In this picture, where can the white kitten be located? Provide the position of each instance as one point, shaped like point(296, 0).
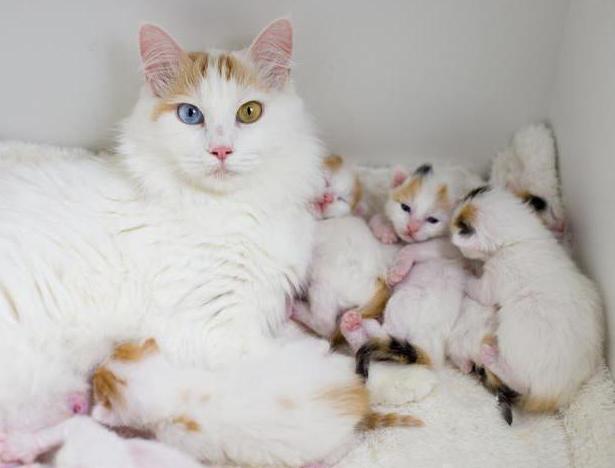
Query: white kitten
point(86, 444)
point(428, 274)
point(528, 168)
point(197, 231)
point(258, 411)
point(549, 333)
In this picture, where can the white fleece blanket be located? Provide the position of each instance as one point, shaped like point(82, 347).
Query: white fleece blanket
point(464, 429)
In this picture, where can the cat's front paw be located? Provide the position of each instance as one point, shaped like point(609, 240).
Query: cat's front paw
point(385, 234)
point(18, 447)
point(398, 272)
point(488, 354)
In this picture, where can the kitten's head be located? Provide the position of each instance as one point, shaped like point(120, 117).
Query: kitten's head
point(420, 204)
point(491, 218)
point(216, 121)
point(528, 169)
point(342, 193)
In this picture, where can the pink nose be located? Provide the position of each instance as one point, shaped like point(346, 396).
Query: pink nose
point(413, 226)
point(221, 152)
point(327, 198)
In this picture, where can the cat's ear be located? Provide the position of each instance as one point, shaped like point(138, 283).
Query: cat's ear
point(400, 174)
point(272, 50)
point(161, 57)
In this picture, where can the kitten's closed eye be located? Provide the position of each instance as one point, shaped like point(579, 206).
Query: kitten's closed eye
point(189, 114)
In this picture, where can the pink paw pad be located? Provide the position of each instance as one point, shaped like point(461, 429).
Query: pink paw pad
point(351, 321)
point(78, 403)
point(488, 354)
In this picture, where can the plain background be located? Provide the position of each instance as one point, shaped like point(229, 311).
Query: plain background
point(387, 81)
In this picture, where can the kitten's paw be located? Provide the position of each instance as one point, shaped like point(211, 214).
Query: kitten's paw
point(488, 354)
point(397, 273)
point(18, 447)
point(78, 403)
point(384, 233)
point(351, 321)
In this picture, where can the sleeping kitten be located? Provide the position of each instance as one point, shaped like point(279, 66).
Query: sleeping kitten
point(260, 411)
point(528, 168)
point(549, 333)
point(343, 192)
point(197, 232)
point(428, 274)
point(86, 444)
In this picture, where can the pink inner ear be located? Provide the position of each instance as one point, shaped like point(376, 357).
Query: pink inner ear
point(400, 174)
point(272, 51)
point(161, 57)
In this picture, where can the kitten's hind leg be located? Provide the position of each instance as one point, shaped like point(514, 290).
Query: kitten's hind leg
point(492, 360)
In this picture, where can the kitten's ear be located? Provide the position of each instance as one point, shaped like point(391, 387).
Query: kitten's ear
point(400, 174)
point(161, 57)
point(272, 50)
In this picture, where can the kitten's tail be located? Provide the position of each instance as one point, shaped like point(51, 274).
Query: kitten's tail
point(374, 420)
point(506, 396)
point(388, 349)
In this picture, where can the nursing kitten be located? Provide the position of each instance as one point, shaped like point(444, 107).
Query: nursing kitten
point(549, 333)
point(86, 444)
point(343, 192)
point(428, 274)
point(196, 232)
point(259, 411)
point(528, 168)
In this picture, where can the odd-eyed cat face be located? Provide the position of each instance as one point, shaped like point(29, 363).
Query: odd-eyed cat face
point(212, 120)
point(489, 219)
point(419, 205)
point(342, 192)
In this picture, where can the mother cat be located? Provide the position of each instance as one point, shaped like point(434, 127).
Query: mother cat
point(196, 232)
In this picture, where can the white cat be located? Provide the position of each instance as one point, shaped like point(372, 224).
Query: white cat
point(86, 444)
point(549, 333)
point(267, 410)
point(428, 274)
point(196, 232)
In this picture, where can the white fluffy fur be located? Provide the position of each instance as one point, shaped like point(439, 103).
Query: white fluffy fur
point(347, 262)
point(529, 166)
point(550, 322)
point(86, 444)
point(155, 239)
point(267, 410)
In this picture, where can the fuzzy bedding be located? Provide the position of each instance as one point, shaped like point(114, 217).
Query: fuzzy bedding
point(463, 427)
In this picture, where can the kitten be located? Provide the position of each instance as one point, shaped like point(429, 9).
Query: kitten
point(528, 168)
point(260, 411)
point(428, 274)
point(196, 232)
point(343, 192)
point(86, 444)
point(549, 333)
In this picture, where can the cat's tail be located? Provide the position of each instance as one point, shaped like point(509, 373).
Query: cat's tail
point(375, 420)
point(506, 396)
point(388, 349)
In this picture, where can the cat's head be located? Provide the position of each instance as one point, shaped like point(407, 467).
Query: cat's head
point(342, 194)
point(420, 204)
point(489, 219)
point(216, 121)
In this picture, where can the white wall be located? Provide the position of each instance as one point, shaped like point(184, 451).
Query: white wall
point(583, 116)
point(385, 79)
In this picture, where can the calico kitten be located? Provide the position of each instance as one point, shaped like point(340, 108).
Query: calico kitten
point(528, 168)
point(427, 274)
point(549, 333)
point(85, 443)
point(260, 411)
point(343, 192)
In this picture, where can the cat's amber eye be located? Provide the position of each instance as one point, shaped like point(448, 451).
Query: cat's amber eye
point(249, 112)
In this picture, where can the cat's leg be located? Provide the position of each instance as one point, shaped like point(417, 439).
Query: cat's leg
point(318, 316)
point(26, 446)
point(374, 329)
point(401, 266)
point(351, 326)
point(479, 289)
point(382, 229)
point(492, 360)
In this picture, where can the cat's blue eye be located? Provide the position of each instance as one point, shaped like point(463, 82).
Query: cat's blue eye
point(189, 114)
point(406, 208)
point(432, 220)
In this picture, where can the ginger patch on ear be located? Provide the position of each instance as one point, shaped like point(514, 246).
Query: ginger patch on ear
point(106, 387)
point(442, 197)
point(465, 220)
point(333, 162)
point(357, 193)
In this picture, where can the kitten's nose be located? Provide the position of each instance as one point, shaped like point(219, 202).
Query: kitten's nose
point(221, 152)
point(413, 226)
